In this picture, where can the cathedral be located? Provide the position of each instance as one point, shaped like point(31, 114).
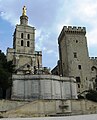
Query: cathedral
point(74, 64)
point(37, 91)
point(31, 80)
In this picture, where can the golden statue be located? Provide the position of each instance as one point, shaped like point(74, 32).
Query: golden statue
point(24, 11)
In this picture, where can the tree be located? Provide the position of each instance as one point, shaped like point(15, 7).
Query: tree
point(92, 95)
point(6, 70)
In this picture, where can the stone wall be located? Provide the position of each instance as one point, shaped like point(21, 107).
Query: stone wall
point(29, 87)
point(6, 105)
point(39, 108)
point(84, 107)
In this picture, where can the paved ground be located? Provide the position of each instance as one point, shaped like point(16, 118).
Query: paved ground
point(79, 117)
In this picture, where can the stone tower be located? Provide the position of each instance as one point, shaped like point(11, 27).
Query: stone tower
point(23, 53)
point(73, 54)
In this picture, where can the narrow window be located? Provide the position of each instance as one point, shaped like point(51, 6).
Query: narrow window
point(76, 41)
point(75, 55)
point(28, 66)
point(77, 79)
point(79, 67)
point(92, 68)
point(28, 36)
point(28, 44)
point(22, 35)
point(21, 42)
point(78, 85)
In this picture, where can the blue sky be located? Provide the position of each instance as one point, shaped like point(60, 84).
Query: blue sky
point(48, 17)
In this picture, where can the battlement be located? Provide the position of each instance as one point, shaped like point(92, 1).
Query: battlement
point(74, 29)
point(38, 52)
point(10, 50)
point(93, 58)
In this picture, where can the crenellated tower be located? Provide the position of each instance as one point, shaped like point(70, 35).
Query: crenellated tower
point(73, 54)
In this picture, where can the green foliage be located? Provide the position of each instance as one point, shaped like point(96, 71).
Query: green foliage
point(80, 97)
point(92, 95)
point(6, 70)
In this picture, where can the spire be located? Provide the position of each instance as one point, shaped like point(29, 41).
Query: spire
point(24, 18)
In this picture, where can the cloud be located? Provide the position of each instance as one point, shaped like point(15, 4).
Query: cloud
point(86, 14)
point(80, 13)
point(49, 17)
point(86, 9)
point(42, 15)
point(92, 37)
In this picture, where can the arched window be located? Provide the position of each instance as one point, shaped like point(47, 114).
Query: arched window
point(22, 35)
point(28, 44)
point(21, 42)
point(28, 36)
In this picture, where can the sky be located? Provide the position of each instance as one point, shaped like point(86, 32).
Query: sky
point(48, 17)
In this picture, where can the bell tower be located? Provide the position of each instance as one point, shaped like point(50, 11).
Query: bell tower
point(23, 53)
point(24, 36)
